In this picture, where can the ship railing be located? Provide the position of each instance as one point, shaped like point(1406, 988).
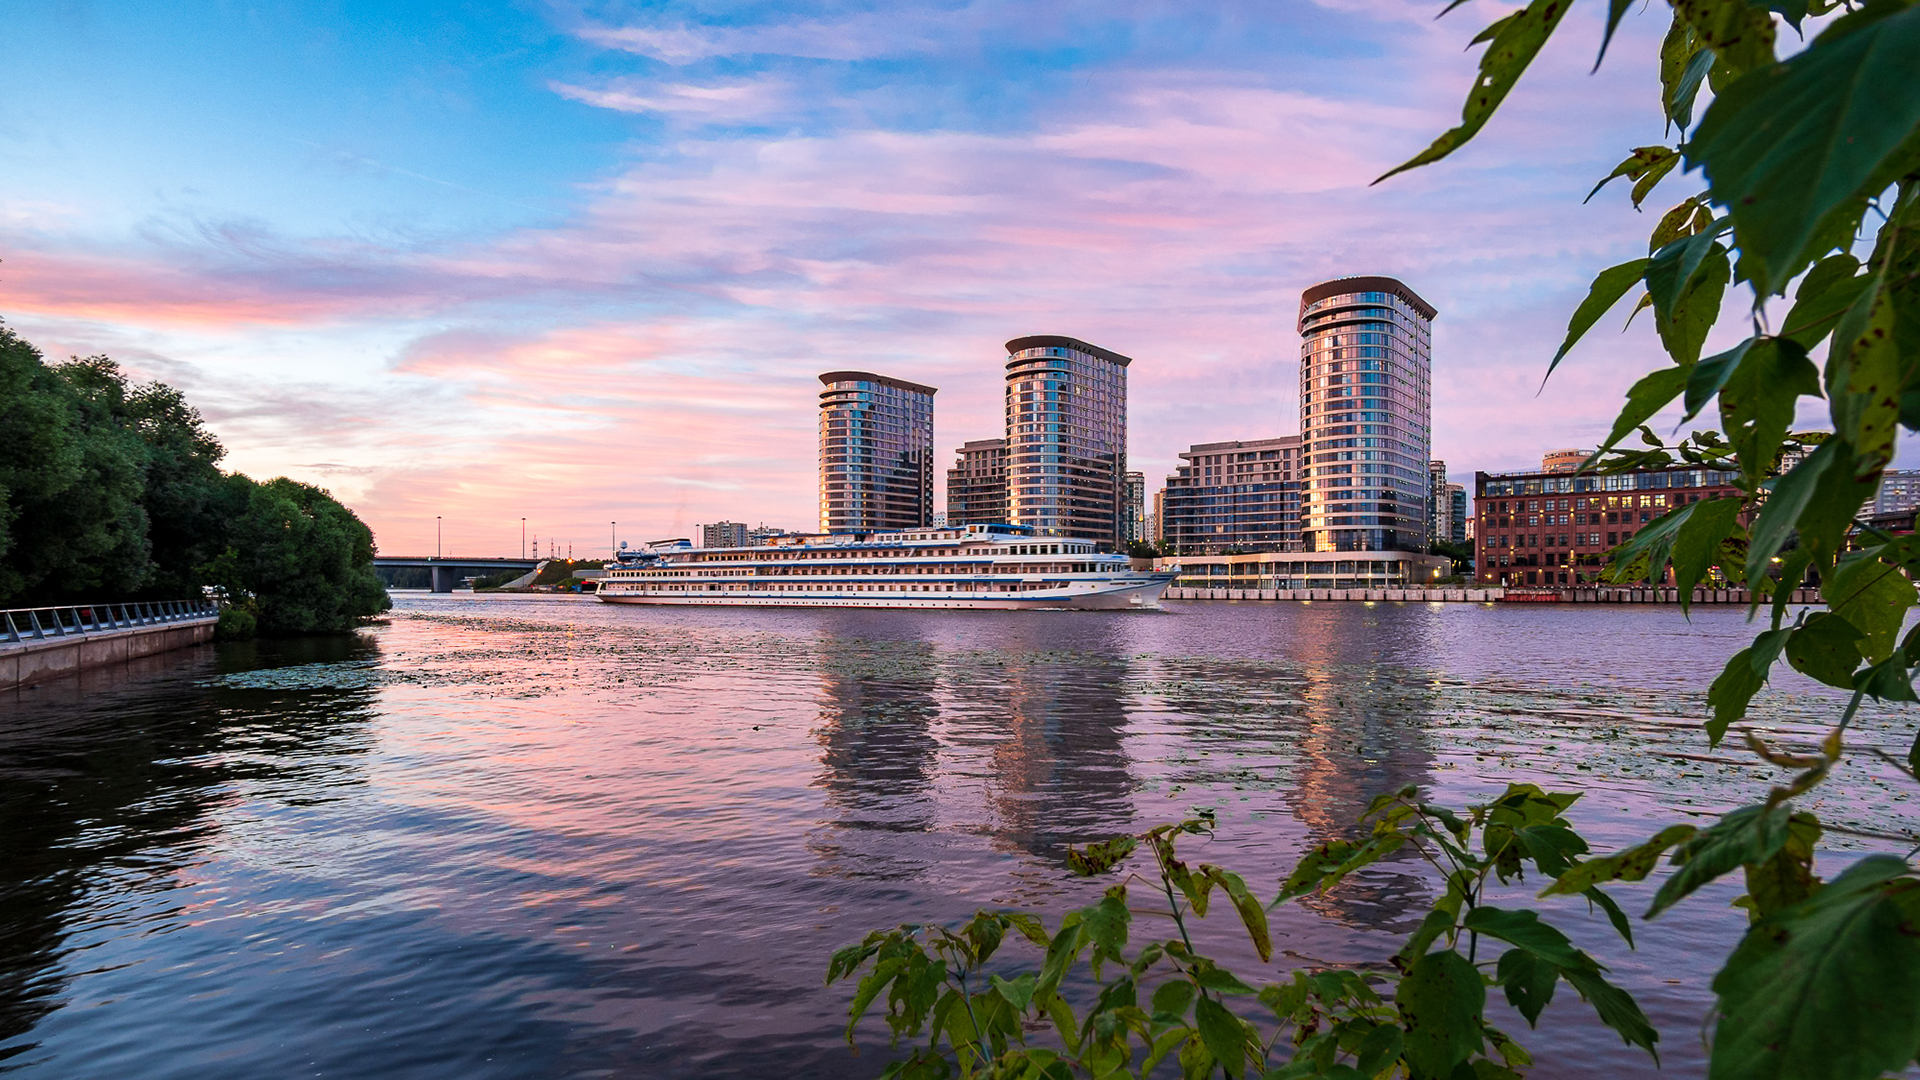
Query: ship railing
point(19, 625)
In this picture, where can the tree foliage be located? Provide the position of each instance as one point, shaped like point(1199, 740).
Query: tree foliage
point(113, 491)
point(1805, 194)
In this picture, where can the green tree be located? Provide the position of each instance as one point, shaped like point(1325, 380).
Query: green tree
point(72, 478)
point(296, 559)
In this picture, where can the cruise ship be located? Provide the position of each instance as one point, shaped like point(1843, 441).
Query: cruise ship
point(969, 566)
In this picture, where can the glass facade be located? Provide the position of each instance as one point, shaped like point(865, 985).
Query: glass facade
point(1365, 416)
point(977, 484)
point(1066, 438)
point(876, 453)
point(1234, 496)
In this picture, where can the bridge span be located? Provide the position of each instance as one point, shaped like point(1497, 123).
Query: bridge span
point(446, 571)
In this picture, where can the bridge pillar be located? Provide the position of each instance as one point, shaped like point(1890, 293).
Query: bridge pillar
point(443, 579)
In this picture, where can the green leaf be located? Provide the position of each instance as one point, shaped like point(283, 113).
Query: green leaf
point(1787, 145)
point(1251, 913)
point(1825, 648)
point(1740, 34)
point(1105, 928)
point(1683, 322)
point(1825, 294)
point(1515, 41)
point(1632, 864)
point(1676, 265)
point(1740, 680)
point(1867, 370)
point(1616, 1008)
point(1172, 1000)
point(1648, 396)
point(1809, 501)
point(1646, 165)
point(1606, 291)
point(1757, 401)
point(1709, 375)
point(1697, 544)
point(1528, 982)
point(1524, 929)
point(1874, 598)
point(1100, 858)
point(1618, 918)
point(1750, 834)
point(1223, 1033)
point(1379, 1050)
point(1684, 62)
point(1017, 992)
point(1441, 1001)
point(1828, 987)
point(1787, 877)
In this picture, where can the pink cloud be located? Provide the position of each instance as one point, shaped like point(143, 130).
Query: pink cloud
point(651, 359)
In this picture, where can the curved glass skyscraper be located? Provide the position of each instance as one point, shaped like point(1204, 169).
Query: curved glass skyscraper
point(1366, 389)
point(876, 453)
point(1066, 437)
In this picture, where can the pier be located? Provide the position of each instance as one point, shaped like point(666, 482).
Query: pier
point(38, 644)
point(1489, 594)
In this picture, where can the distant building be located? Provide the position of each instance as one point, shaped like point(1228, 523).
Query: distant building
point(723, 534)
point(1133, 518)
point(1552, 528)
point(1437, 508)
point(939, 519)
point(1366, 390)
point(1457, 515)
point(1563, 461)
point(977, 484)
point(1066, 437)
point(1239, 495)
point(1157, 520)
point(1899, 491)
point(876, 453)
point(763, 535)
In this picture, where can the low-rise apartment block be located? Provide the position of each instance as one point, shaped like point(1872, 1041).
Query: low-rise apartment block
point(1242, 496)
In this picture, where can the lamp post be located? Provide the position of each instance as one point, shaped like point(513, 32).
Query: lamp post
point(613, 545)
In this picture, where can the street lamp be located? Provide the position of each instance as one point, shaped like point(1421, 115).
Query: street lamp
point(613, 546)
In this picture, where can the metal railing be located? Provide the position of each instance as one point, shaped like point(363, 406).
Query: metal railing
point(19, 625)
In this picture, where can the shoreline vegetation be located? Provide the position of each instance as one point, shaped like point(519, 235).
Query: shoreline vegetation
point(111, 491)
point(1811, 170)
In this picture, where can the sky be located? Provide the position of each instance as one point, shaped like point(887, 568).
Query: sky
point(583, 263)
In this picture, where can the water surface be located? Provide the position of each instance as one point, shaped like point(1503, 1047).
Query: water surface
point(540, 836)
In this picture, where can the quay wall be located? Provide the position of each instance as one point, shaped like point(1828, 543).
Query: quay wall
point(26, 663)
point(1487, 594)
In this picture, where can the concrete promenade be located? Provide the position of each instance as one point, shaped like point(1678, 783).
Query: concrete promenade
point(41, 644)
point(1488, 594)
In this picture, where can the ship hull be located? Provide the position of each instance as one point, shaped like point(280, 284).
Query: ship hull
point(1142, 597)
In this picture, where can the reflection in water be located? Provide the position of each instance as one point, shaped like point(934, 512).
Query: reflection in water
point(108, 786)
point(1059, 770)
point(533, 837)
point(877, 754)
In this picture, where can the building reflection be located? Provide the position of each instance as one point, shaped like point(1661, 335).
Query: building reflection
point(1054, 728)
point(109, 783)
point(878, 755)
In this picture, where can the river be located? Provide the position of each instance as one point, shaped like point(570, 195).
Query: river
point(522, 836)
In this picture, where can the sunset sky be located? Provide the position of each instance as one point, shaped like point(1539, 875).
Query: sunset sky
point(583, 263)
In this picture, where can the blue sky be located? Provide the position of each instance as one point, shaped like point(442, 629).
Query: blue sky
point(582, 263)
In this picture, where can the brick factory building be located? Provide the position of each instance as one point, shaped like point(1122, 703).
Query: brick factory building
point(1552, 527)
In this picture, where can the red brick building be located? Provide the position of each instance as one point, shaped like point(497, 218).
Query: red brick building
point(1551, 528)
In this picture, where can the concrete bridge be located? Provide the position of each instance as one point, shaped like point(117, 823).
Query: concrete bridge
point(446, 571)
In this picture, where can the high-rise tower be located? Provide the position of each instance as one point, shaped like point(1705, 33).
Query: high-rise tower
point(876, 453)
point(1366, 387)
point(1066, 437)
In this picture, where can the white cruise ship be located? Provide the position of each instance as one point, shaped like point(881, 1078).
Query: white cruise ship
point(969, 566)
